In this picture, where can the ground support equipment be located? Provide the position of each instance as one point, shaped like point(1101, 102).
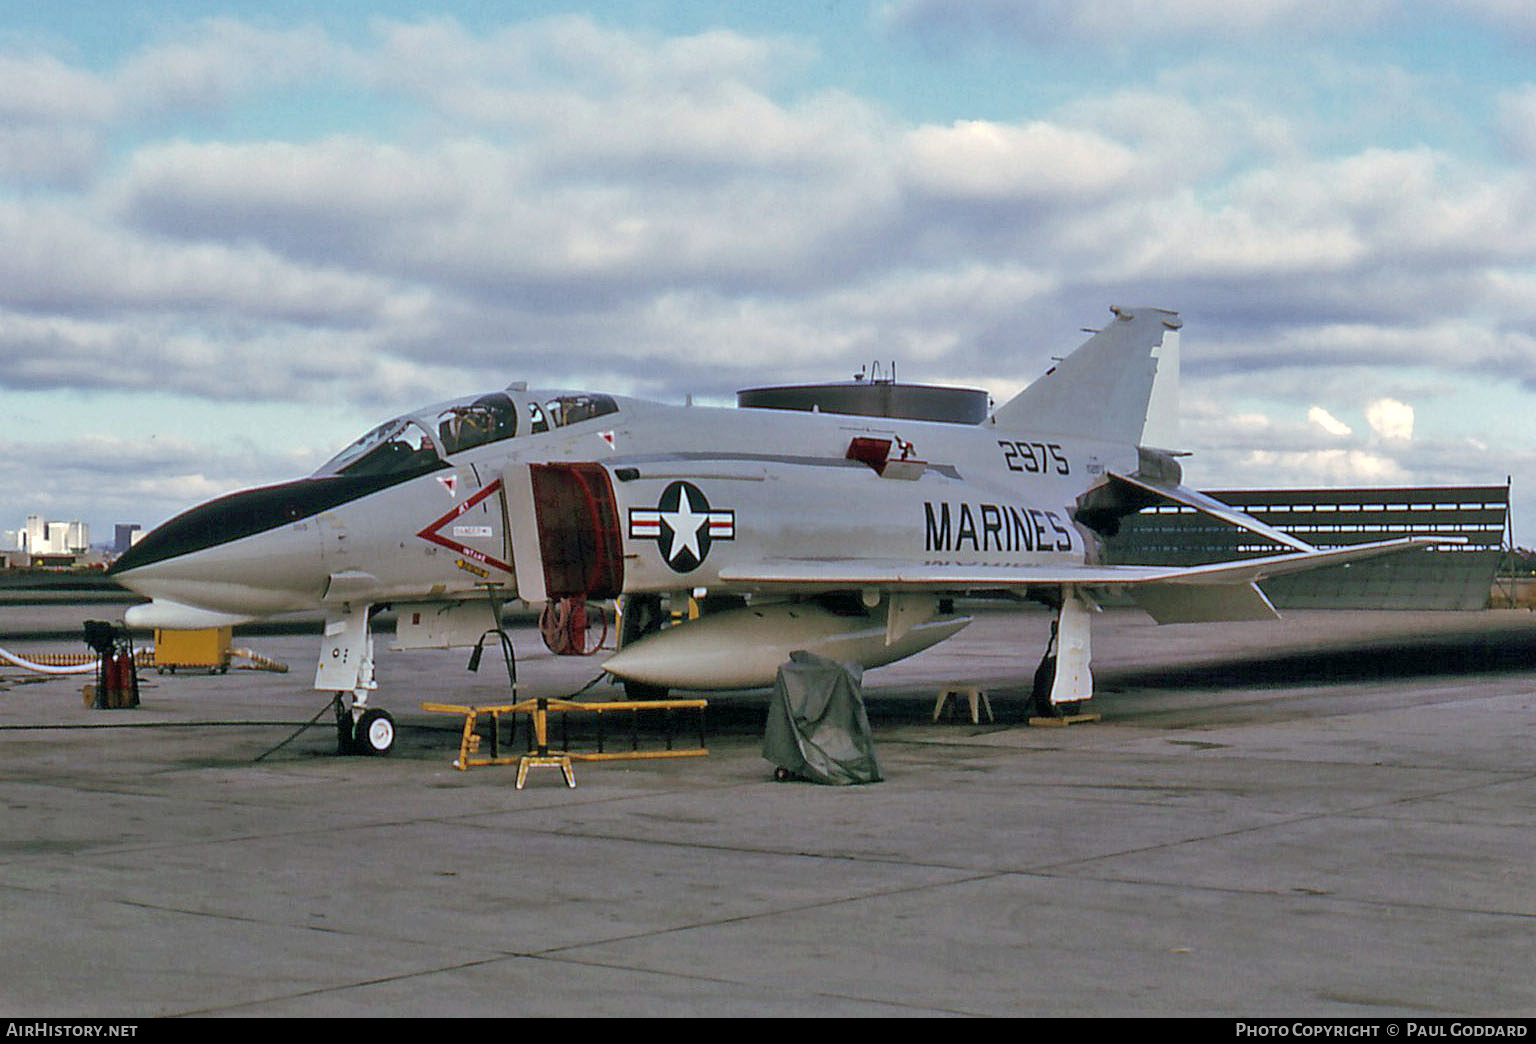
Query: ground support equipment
point(540, 755)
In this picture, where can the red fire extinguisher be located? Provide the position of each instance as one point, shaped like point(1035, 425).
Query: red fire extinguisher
point(120, 682)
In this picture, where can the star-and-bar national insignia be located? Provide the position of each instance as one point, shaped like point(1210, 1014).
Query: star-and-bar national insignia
point(683, 526)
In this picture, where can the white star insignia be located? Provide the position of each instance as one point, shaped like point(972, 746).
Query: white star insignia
point(685, 524)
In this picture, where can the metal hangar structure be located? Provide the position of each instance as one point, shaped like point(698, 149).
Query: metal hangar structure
point(1457, 576)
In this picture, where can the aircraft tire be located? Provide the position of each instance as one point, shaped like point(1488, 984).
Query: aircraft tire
point(1045, 674)
point(375, 734)
point(346, 734)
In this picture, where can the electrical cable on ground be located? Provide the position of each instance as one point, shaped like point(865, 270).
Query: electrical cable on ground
point(329, 704)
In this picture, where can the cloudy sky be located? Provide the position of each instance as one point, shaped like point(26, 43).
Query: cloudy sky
point(235, 236)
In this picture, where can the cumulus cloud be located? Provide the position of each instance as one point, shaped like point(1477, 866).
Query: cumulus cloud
point(62, 262)
point(131, 479)
point(1328, 422)
point(214, 62)
point(39, 88)
point(1043, 22)
point(1390, 419)
point(576, 203)
point(1335, 467)
point(53, 119)
point(985, 160)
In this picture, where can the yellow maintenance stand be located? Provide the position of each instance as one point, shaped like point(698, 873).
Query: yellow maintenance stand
point(541, 756)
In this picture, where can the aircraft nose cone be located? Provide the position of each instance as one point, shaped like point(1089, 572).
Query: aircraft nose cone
point(229, 518)
point(241, 515)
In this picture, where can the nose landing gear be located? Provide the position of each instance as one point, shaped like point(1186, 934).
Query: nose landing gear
point(372, 734)
point(346, 668)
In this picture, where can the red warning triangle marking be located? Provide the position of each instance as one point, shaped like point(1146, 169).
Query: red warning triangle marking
point(433, 532)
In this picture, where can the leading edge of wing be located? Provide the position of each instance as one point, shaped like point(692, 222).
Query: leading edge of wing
point(822, 574)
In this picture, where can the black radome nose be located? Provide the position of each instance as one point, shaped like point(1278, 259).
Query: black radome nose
point(245, 514)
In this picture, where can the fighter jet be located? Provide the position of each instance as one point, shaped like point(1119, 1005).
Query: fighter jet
point(845, 535)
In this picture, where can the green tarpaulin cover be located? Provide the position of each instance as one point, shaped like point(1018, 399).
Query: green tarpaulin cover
point(817, 728)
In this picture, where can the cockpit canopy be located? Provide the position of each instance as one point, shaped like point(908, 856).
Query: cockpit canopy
point(425, 440)
point(489, 418)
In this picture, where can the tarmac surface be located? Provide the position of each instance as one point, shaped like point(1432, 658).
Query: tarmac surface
point(1330, 815)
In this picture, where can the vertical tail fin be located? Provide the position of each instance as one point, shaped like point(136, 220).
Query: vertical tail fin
point(1121, 385)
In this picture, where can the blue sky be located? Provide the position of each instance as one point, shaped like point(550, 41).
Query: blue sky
point(233, 237)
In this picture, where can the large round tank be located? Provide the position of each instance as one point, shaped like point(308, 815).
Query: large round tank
point(877, 398)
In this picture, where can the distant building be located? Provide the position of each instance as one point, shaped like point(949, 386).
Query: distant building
point(1453, 576)
point(127, 535)
point(41, 537)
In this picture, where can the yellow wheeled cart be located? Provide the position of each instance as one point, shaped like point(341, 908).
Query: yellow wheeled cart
point(206, 650)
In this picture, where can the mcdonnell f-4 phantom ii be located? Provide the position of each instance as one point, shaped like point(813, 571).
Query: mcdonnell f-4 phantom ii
point(845, 535)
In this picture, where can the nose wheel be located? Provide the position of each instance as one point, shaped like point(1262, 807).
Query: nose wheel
point(373, 733)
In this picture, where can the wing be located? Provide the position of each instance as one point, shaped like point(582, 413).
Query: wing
point(826, 574)
point(1172, 594)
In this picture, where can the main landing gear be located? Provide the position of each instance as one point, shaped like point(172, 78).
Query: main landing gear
point(639, 616)
point(1064, 678)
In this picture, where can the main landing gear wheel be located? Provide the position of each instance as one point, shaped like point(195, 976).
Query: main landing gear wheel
point(1040, 694)
point(375, 733)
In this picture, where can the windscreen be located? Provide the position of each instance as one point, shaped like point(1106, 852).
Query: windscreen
point(398, 446)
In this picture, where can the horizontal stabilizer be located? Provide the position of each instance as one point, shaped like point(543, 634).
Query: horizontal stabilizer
point(1193, 498)
point(1254, 569)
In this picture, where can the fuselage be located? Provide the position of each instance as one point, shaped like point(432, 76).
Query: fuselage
point(730, 538)
point(693, 489)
